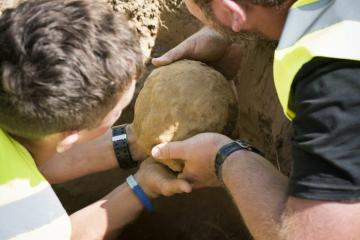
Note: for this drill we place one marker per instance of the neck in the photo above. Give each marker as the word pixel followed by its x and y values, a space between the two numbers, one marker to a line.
pixel 276 16
pixel 40 149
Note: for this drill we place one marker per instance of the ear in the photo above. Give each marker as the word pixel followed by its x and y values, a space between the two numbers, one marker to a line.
pixel 68 141
pixel 238 13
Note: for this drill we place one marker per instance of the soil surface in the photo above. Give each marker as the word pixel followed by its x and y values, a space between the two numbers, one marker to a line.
pixel 207 214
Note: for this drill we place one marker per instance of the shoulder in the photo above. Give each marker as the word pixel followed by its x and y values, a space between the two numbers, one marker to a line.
pixel 32 212
pixel 325 149
pixel 29 207
pixel 322 77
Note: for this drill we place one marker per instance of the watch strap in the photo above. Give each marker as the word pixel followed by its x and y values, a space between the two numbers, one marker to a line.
pixel 226 150
pixel 121 148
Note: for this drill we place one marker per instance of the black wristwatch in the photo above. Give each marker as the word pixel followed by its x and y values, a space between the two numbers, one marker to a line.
pixel 228 149
pixel 121 147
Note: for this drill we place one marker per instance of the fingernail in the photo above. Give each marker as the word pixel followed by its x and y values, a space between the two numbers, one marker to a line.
pixel 155 152
pixel 187 189
pixel 60 149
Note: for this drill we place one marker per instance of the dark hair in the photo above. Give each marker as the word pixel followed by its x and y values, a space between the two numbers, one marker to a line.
pixel 63 65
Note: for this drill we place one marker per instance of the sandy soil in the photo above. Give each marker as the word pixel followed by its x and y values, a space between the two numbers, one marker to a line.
pixel 207 214
pixel 180 100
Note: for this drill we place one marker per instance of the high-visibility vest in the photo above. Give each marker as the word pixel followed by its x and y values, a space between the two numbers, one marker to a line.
pixel 29 208
pixel 315 28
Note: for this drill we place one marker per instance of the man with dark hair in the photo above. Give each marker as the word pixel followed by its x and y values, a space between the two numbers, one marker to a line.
pixel 316 73
pixel 67 69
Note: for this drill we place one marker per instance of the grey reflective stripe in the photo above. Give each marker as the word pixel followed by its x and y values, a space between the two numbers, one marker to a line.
pixel 30 213
pixel 316 16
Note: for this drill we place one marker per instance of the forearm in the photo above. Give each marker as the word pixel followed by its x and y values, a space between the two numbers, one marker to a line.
pixel 83 159
pixel 259 191
pixel 106 217
pixel 90 157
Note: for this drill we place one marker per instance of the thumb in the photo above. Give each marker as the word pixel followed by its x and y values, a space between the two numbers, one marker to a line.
pixel 171 150
pixel 171 56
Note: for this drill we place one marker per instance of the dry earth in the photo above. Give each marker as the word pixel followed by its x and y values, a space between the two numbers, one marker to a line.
pixel 206 214
pixel 180 100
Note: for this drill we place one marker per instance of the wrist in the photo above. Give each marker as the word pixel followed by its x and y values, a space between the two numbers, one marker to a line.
pixel 227 152
pixel 140 192
pixel 220 142
pixel 139 178
pixel 231 162
pixel 136 152
pixel 120 139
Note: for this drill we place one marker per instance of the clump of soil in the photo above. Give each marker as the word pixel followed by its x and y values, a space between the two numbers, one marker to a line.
pixel 4 4
pixel 181 100
pixel 144 16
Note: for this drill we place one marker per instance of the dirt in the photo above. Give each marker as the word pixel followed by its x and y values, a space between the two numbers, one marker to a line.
pixel 9 4
pixel 207 214
pixel 180 100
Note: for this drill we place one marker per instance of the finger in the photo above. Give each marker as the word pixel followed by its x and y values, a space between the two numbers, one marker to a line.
pixel 187 178
pixel 171 56
pixel 171 150
pixel 175 186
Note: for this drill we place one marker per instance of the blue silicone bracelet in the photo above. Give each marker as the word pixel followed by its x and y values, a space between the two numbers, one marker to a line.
pixel 133 184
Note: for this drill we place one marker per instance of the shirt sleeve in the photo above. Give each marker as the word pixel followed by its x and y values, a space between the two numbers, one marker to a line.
pixel 326 140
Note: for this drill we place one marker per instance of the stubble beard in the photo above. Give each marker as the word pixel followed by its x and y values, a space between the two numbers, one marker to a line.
pixel 232 36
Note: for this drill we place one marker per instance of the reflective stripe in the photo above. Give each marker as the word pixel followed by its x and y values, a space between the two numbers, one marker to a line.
pixel 317 16
pixel 300 3
pixel 325 28
pixel 29 208
pixel 23 190
pixel 59 229
pixel 35 212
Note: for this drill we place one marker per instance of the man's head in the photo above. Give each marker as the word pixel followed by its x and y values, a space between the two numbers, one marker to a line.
pixel 64 65
pixel 264 18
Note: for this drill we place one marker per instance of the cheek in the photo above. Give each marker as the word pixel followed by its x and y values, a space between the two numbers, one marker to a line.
pixel 98 132
pixel 109 123
pixel 92 134
pixel 103 127
pixel 117 117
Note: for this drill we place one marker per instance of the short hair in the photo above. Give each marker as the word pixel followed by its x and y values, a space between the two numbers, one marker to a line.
pixel 63 65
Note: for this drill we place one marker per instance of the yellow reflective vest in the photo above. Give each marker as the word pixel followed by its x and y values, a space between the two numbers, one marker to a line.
pixel 315 28
pixel 29 208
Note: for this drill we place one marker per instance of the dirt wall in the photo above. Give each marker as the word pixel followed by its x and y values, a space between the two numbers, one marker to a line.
pixel 209 213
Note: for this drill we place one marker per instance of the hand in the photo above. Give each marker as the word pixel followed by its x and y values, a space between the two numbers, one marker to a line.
pixel 137 153
pixel 198 153
pixel 207 46
pixel 156 179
